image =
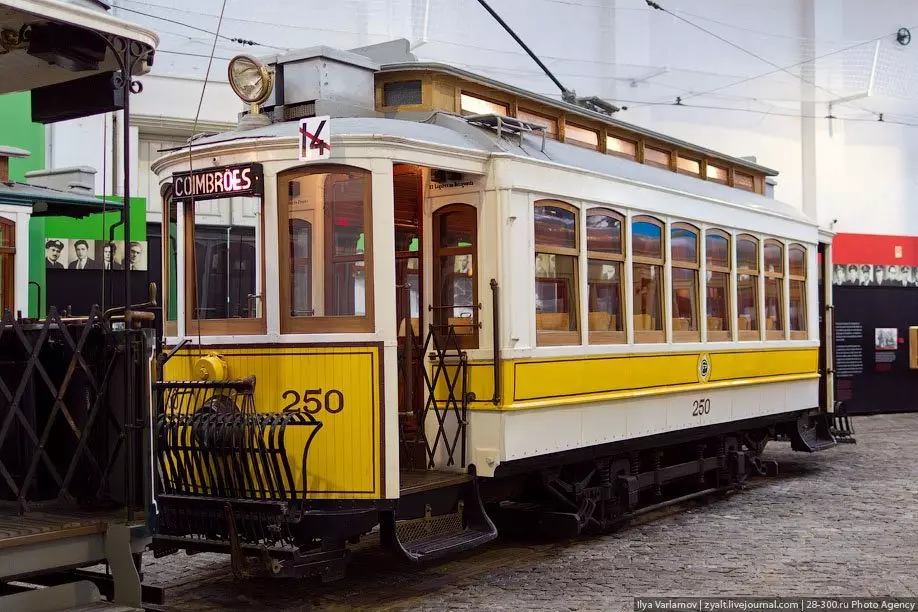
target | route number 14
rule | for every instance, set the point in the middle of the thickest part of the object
(701, 407)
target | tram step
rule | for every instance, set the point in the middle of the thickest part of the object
(812, 434)
(426, 536)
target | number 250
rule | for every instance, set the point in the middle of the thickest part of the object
(334, 401)
(701, 407)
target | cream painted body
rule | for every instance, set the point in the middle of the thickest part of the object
(497, 437)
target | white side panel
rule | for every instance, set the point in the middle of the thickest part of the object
(527, 433)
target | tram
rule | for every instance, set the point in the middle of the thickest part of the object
(407, 298)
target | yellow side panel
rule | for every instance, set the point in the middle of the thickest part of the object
(755, 364)
(563, 377)
(345, 460)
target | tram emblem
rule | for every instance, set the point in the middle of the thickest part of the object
(315, 138)
(704, 367)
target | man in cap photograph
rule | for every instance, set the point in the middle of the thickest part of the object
(83, 261)
(53, 250)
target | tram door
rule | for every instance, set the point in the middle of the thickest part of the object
(409, 201)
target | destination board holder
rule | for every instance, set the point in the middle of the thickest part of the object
(240, 180)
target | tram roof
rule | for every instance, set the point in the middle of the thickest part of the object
(449, 130)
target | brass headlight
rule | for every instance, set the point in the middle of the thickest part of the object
(250, 79)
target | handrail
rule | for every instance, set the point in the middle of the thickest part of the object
(495, 315)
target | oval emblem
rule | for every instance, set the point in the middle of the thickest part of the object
(704, 367)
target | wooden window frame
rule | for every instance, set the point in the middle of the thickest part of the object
(468, 341)
(751, 187)
(9, 275)
(608, 337)
(742, 334)
(650, 336)
(668, 152)
(635, 142)
(580, 143)
(693, 335)
(779, 276)
(707, 177)
(721, 335)
(324, 324)
(798, 334)
(484, 98)
(561, 338)
(218, 327)
(697, 160)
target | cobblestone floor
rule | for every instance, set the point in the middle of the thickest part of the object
(841, 522)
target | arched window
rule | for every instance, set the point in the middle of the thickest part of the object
(605, 253)
(647, 279)
(455, 273)
(797, 273)
(774, 290)
(325, 246)
(747, 287)
(684, 258)
(556, 272)
(717, 263)
(7, 265)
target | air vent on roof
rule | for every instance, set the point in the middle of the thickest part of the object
(295, 112)
(510, 125)
(402, 93)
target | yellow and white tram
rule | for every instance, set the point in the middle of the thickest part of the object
(409, 296)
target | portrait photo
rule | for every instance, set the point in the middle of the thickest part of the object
(56, 250)
(136, 255)
(886, 338)
(82, 254)
(110, 254)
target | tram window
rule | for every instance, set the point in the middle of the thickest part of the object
(774, 290)
(323, 216)
(797, 273)
(556, 272)
(747, 287)
(684, 258)
(647, 279)
(717, 174)
(226, 267)
(455, 284)
(7, 264)
(550, 123)
(743, 181)
(402, 93)
(605, 255)
(621, 146)
(474, 105)
(687, 165)
(657, 157)
(717, 287)
(581, 136)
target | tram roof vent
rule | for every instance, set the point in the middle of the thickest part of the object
(322, 81)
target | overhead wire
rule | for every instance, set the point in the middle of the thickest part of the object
(191, 202)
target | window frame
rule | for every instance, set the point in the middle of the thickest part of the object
(482, 98)
(609, 336)
(720, 335)
(755, 273)
(219, 327)
(635, 143)
(775, 334)
(471, 340)
(9, 275)
(550, 337)
(697, 160)
(649, 336)
(798, 334)
(580, 143)
(669, 155)
(290, 324)
(551, 120)
(714, 179)
(692, 335)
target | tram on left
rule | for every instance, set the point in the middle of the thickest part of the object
(75, 485)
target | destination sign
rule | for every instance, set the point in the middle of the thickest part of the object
(223, 182)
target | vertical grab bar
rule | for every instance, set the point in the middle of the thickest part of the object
(495, 316)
